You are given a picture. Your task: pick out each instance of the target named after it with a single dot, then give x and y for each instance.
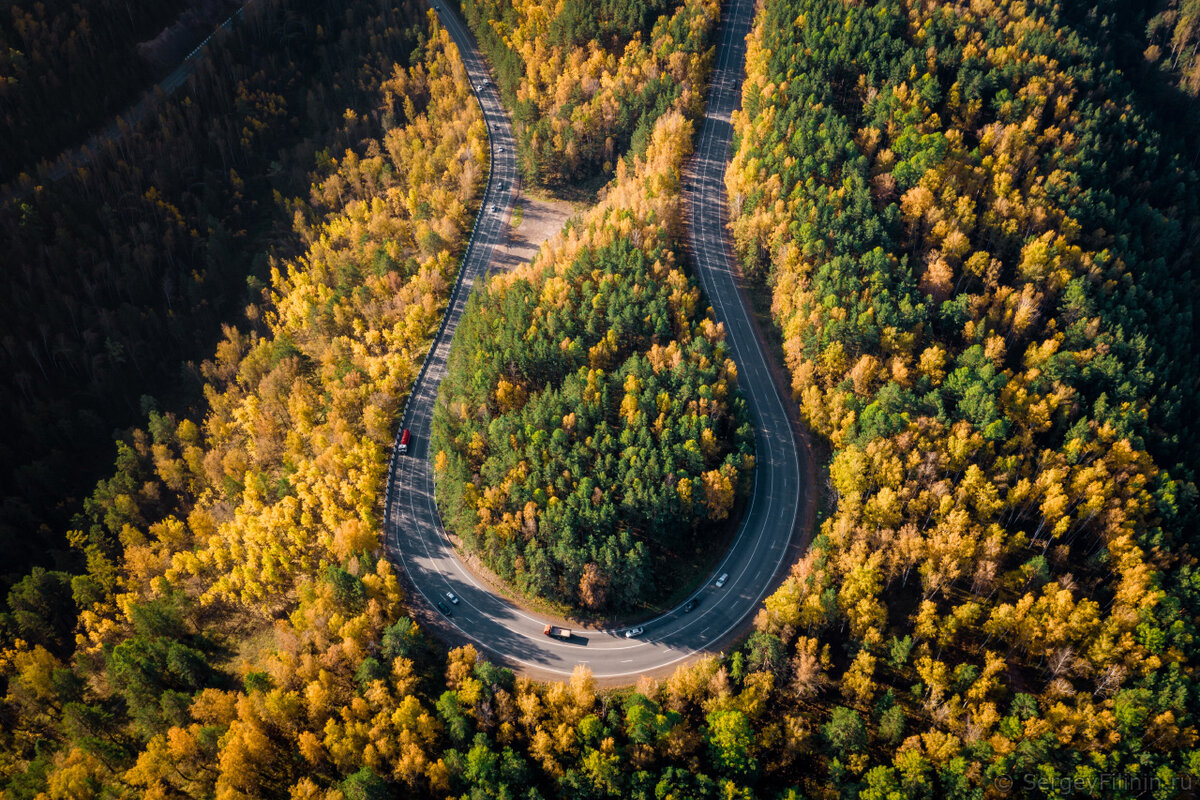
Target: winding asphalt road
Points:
(415, 538)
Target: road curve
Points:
(414, 536)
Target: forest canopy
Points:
(978, 231)
(589, 433)
(981, 250)
(586, 80)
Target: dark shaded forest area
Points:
(65, 66)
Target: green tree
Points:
(730, 739)
(845, 733)
(42, 610)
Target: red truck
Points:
(557, 632)
(404, 437)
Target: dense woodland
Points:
(65, 66)
(588, 433)
(978, 234)
(119, 273)
(981, 250)
(585, 80)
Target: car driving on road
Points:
(452, 597)
(691, 604)
(632, 632)
(721, 580)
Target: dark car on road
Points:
(442, 608)
(691, 604)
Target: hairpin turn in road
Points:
(415, 538)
